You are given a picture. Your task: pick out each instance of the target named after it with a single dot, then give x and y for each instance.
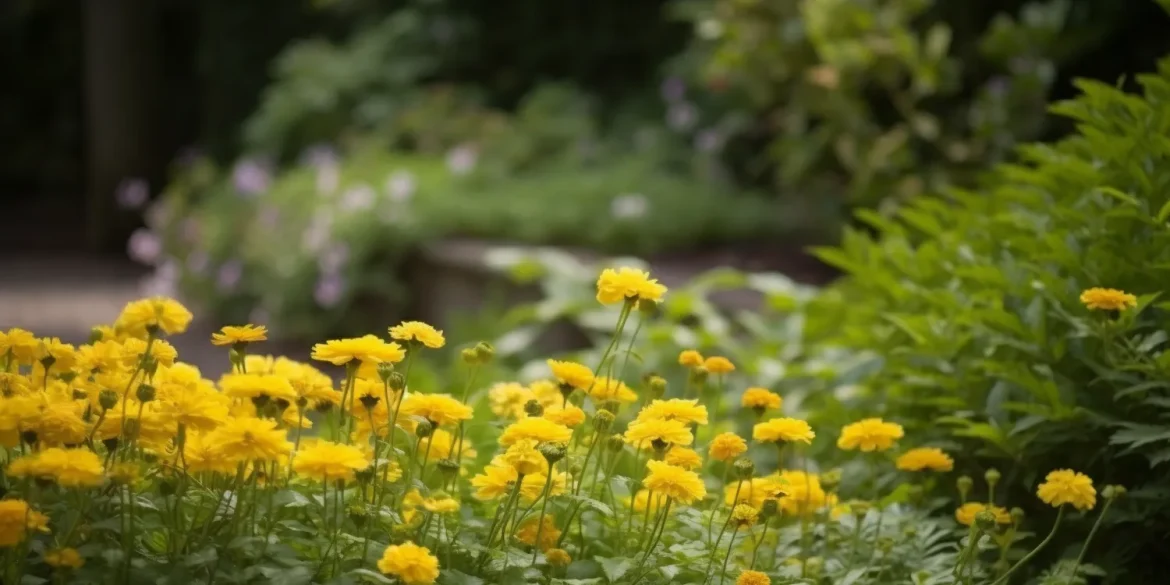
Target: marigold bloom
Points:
(62, 356)
(754, 491)
(801, 493)
(604, 389)
(410, 563)
(684, 458)
(558, 557)
(64, 558)
(536, 429)
(1107, 299)
(231, 335)
(524, 458)
(676, 483)
(684, 411)
(1065, 486)
(255, 385)
(125, 473)
(201, 455)
(753, 578)
(250, 439)
(745, 515)
(643, 498)
(440, 409)
(76, 468)
(532, 487)
(437, 505)
(441, 444)
(418, 331)
(787, 430)
(925, 458)
(161, 351)
(507, 399)
(871, 434)
(547, 392)
(326, 461)
(17, 520)
(572, 374)
(690, 358)
(726, 446)
(643, 434)
(549, 533)
(196, 409)
(367, 349)
(570, 416)
(168, 315)
(966, 513)
(495, 481)
(616, 286)
(22, 344)
(761, 399)
(718, 365)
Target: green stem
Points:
(540, 520)
(1028, 557)
(1092, 533)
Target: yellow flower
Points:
(718, 365)
(604, 389)
(201, 455)
(1065, 486)
(126, 473)
(139, 317)
(788, 430)
(418, 331)
(20, 343)
(642, 434)
(440, 409)
(160, 351)
(726, 446)
(532, 487)
(802, 493)
(327, 461)
(761, 399)
(524, 458)
(754, 491)
(616, 286)
(231, 335)
(495, 481)
(51, 350)
(752, 578)
(925, 458)
(676, 483)
(255, 385)
(570, 415)
(558, 557)
(536, 429)
(196, 409)
(643, 498)
(250, 439)
(571, 374)
(507, 399)
(439, 446)
(410, 563)
(745, 515)
(547, 393)
(64, 558)
(966, 513)
(684, 458)
(437, 505)
(17, 519)
(690, 358)
(549, 533)
(1107, 299)
(368, 349)
(871, 434)
(684, 411)
(66, 467)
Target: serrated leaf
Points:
(615, 568)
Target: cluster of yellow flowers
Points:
(121, 414)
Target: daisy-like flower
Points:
(507, 399)
(70, 468)
(571, 374)
(368, 348)
(255, 385)
(616, 286)
(158, 313)
(643, 499)
(410, 563)
(684, 458)
(718, 365)
(753, 578)
(326, 461)
(786, 430)
(871, 434)
(1065, 486)
(690, 358)
(540, 430)
(232, 335)
(17, 519)
(684, 411)
(644, 434)
(250, 439)
(1107, 299)
(549, 533)
(440, 409)
(64, 558)
(744, 515)
(760, 399)
(925, 458)
(604, 389)
(20, 343)
(726, 446)
(676, 483)
(570, 415)
(419, 332)
(495, 482)
(966, 513)
(558, 557)
(524, 458)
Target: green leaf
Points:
(670, 571)
(615, 568)
(453, 577)
(203, 557)
(1163, 213)
(371, 576)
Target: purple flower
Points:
(461, 159)
(400, 186)
(682, 116)
(333, 259)
(229, 275)
(359, 198)
(673, 89)
(329, 290)
(132, 193)
(144, 246)
(251, 177)
(629, 206)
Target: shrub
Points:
(123, 464)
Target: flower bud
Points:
(145, 393)
(769, 509)
(324, 406)
(699, 375)
(602, 420)
(657, 386)
(1113, 491)
(396, 381)
(385, 370)
(469, 356)
(448, 467)
(553, 452)
(365, 475)
(79, 394)
(369, 401)
(424, 429)
(985, 520)
(647, 307)
(744, 468)
(29, 437)
(485, 352)
(358, 514)
(533, 408)
(813, 567)
(575, 469)
(1017, 516)
(992, 476)
(260, 400)
(860, 508)
(615, 442)
(964, 484)
(831, 479)
(302, 402)
(95, 335)
(281, 405)
(48, 361)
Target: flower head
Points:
(761, 399)
(726, 446)
(871, 434)
(495, 482)
(540, 430)
(718, 365)
(256, 385)
(420, 332)
(231, 335)
(1065, 486)
(690, 358)
(64, 558)
(440, 409)
(549, 533)
(786, 430)
(745, 515)
(158, 313)
(925, 458)
(616, 286)
(507, 399)
(326, 461)
(966, 513)
(684, 411)
(643, 433)
(557, 557)
(684, 458)
(410, 563)
(368, 348)
(753, 578)
(17, 519)
(22, 344)
(75, 468)
(249, 439)
(604, 389)
(676, 483)
(570, 415)
(1107, 299)
(571, 374)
